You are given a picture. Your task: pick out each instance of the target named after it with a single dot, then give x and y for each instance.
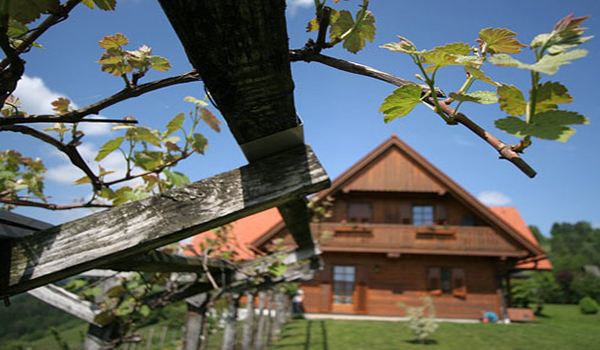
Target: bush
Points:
(588, 306)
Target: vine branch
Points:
(507, 152)
(28, 203)
(95, 108)
(69, 149)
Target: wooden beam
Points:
(67, 302)
(297, 220)
(131, 229)
(240, 49)
(157, 261)
(16, 226)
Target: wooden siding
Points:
(394, 171)
(388, 281)
(391, 238)
(396, 208)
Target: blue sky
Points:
(339, 109)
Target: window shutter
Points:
(406, 213)
(459, 283)
(441, 214)
(433, 280)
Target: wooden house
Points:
(401, 229)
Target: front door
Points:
(344, 278)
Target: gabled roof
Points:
(245, 231)
(512, 217)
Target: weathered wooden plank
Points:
(67, 302)
(133, 228)
(243, 61)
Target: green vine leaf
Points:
(354, 40)
(511, 100)
(176, 178)
(148, 160)
(549, 95)
(199, 143)
(105, 5)
(500, 40)
(481, 97)
(108, 148)
(159, 63)
(174, 124)
(113, 41)
(550, 125)
(405, 46)
(27, 11)
(567, 34)
(195, 101)
(480, 75)
(549, 64)
(400, 102)
(61, 105)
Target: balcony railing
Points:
(476, 240)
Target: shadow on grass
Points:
(422, 342)
(310, 335)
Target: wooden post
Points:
(150, 338)
(269, 322)
(100, 338)
(509, 302)
(229, 335)
(194, 321)
(258, 338)
(279, 317)
(249, 322)
(163, 336)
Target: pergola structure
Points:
(240, 50)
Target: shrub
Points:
(588, 306)
(420, 321)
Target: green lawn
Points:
(563, 328)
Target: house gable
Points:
(394, 168)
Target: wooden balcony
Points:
(397, 239)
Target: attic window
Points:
(422, 215)
(359, 212)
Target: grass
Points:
(562, 327)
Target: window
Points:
(343, 284)
(446, 281)
(359, 212)
(467, 220)
(422, 215)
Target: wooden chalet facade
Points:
(401, 229)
